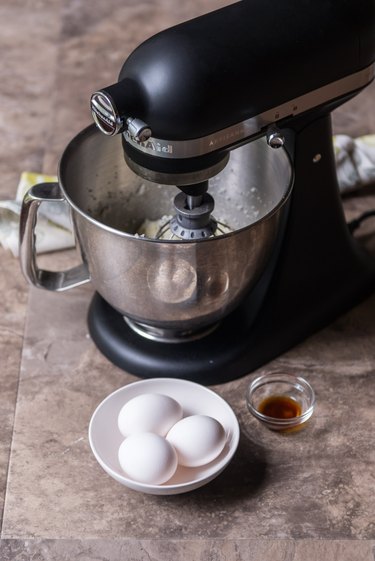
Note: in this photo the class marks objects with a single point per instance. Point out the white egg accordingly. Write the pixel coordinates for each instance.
(197, 439)
(147, 458)
(149, 412)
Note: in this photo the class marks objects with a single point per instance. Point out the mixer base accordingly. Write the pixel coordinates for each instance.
(209, 360)
(238, 345)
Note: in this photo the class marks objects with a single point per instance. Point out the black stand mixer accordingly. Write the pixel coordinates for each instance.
(187, 99)
(188, 96)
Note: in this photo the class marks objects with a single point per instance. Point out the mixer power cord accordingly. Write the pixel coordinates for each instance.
(353, 225)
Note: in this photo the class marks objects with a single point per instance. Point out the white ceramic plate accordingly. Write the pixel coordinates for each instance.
(105, 437)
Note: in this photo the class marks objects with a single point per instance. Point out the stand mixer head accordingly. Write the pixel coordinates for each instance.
(189, 95)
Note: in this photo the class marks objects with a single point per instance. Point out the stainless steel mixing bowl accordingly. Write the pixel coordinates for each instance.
(164, 288)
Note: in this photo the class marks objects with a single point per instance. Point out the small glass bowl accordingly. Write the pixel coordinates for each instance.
(282, 402)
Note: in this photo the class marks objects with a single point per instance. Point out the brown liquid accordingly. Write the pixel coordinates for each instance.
(280, 407)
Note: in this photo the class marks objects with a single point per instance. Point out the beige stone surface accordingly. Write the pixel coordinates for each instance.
(302, 496)
(13, 305)
(180, 550)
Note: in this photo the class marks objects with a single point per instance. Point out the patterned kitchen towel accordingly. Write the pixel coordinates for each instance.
(355, 161)
(54, 229)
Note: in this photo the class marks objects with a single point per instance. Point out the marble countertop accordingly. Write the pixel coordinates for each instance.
(309, 495)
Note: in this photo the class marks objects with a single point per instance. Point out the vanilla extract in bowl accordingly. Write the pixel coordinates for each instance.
(280, 407)
(282, 402)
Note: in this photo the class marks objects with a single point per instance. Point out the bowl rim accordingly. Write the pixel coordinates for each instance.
(92, 130)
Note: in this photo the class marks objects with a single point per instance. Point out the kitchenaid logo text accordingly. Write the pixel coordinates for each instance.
(189, 148)
(222, 139)
(152, 145)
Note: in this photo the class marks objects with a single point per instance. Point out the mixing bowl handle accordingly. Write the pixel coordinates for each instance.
(50, 280)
